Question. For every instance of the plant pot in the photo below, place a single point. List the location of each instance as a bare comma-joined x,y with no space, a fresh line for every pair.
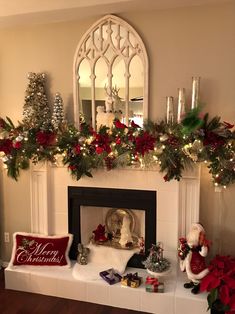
215,311
216,308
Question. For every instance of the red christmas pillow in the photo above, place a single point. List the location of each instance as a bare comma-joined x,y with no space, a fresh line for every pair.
40,250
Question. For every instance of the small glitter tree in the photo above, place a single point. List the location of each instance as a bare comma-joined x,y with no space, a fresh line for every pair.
36,111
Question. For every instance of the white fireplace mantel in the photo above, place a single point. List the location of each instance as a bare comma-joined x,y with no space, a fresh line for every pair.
177,202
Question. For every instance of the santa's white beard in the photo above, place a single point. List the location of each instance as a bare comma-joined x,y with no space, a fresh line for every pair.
193,238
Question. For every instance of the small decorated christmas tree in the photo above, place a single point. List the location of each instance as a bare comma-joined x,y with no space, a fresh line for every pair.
36,111
155,262
58,112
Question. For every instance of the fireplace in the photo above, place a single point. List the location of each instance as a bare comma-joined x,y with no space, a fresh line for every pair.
139,200
177,203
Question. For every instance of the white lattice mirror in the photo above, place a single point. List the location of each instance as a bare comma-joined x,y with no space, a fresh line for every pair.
110,74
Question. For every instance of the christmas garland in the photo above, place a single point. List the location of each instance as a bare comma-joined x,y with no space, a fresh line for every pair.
170,147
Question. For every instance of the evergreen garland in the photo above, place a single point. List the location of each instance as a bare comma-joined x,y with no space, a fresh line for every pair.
166,146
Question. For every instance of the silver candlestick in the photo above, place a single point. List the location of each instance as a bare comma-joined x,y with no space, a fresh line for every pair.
195,91
169,110
181,104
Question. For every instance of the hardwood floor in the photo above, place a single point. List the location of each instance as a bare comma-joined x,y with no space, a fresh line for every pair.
16,302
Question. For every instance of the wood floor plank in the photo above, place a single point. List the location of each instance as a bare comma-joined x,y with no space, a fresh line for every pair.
17,302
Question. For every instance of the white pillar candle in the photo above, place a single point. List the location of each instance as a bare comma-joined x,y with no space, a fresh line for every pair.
169,110
195,91
181,104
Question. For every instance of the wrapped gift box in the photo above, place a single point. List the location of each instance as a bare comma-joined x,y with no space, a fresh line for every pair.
153,285
110,276
131,280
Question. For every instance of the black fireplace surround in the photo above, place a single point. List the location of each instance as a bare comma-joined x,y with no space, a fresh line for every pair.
113,198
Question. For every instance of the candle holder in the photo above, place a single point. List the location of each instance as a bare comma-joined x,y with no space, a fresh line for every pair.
181,104
169,110
195,91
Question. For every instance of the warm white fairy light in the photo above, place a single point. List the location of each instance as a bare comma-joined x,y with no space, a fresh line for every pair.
216,184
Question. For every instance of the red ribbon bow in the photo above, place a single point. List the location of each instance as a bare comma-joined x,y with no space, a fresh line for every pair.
152,281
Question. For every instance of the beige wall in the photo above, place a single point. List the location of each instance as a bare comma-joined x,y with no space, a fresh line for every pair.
180,43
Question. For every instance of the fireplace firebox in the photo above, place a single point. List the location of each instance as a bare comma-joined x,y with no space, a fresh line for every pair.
114,198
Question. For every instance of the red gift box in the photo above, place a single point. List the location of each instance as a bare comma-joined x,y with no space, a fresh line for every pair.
153,285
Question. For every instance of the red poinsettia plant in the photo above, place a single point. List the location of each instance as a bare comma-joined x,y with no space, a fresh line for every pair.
220,283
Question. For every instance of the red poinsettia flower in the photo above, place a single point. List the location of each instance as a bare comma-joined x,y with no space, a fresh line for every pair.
119,125
213,140
77,149
232,303
45,138
6,146
144,143
17,145
221,277
118,141
224,294
102,143
99,150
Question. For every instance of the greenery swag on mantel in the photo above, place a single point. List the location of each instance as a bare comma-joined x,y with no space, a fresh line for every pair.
172,147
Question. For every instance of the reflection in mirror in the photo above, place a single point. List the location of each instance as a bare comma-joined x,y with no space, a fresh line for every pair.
85,89
136,91
111,74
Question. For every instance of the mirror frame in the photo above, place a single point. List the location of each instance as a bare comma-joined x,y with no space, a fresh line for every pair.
82,52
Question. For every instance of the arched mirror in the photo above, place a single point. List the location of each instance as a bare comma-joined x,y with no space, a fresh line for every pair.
110,74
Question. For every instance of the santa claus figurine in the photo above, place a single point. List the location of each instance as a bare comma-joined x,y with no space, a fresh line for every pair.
192,252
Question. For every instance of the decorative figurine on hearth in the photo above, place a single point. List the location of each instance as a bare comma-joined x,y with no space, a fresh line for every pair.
99,234
126,239
141,245
192,252
156,264
83,253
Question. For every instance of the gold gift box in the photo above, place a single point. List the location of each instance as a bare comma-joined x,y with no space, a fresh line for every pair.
131,280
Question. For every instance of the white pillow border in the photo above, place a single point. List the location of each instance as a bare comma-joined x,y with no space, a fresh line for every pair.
40,235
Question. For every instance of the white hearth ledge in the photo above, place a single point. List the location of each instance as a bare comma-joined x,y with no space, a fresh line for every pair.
60,283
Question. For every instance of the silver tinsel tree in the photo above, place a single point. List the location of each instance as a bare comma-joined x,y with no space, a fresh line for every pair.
58,112
36,111
155,262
